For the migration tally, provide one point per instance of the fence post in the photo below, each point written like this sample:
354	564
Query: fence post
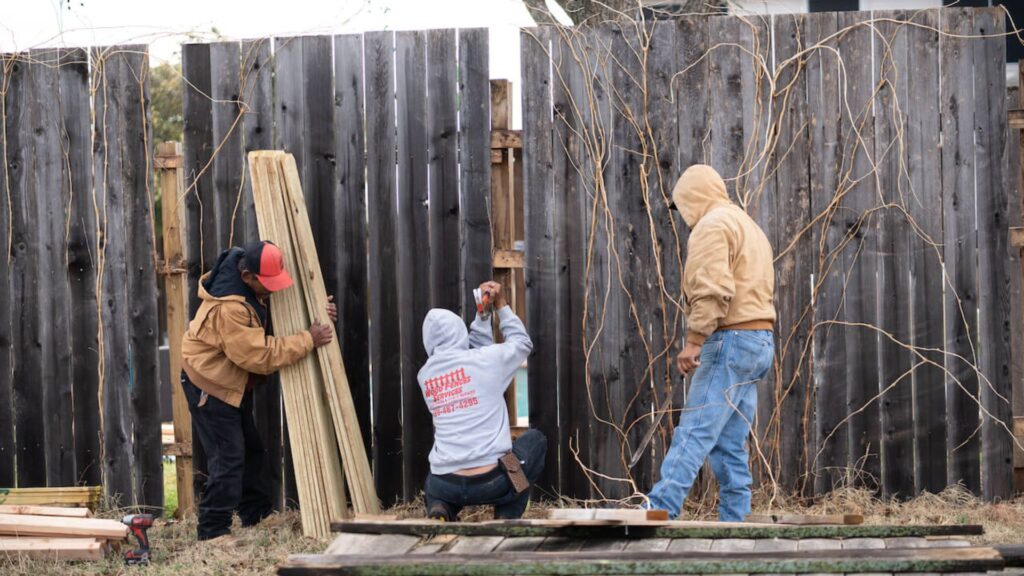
507	260
171	180
1016	120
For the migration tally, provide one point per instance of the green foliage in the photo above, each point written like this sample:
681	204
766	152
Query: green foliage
165	92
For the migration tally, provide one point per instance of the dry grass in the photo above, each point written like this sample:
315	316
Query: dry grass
177	553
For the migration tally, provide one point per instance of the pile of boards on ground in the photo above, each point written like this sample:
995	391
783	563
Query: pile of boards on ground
324	433
56	533
636	544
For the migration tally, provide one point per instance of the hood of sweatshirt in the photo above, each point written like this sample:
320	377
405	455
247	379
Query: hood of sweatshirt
224	281
698	191
444	331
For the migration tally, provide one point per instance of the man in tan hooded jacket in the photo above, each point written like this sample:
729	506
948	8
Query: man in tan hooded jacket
728	285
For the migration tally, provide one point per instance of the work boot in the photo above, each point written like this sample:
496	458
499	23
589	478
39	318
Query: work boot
438	511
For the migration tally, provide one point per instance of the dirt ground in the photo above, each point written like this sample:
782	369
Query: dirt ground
260	548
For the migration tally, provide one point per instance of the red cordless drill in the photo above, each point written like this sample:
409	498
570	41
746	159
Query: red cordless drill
138	524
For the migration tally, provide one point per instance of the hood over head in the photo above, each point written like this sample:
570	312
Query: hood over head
225	280
697	191
443	330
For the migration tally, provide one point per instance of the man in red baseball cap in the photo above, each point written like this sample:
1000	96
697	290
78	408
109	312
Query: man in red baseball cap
225	352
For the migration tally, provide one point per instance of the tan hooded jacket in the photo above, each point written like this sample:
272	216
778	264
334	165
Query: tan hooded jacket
225	344
728	280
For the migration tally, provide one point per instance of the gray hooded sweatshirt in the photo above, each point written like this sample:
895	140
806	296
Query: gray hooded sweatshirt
464	382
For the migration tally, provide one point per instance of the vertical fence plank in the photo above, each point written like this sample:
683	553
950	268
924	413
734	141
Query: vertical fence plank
54	300
228	163
959	247
894	234
24	269
570	104
256	100
9	76
442	127
414	301
539	260
795	254
925	172
993	276
860	252
135	139
474	161
351	221
111	76
76	131
823	99
385	351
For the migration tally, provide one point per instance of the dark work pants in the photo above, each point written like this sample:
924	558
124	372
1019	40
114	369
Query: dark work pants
235	462
452	492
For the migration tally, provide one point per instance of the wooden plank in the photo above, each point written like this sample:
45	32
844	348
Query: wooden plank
959	248
474	161
371	545
503	217
539	269
505	138
618	515
994	308
653	529
775	545
648	545
733	545
923	165
894	236
10	74
350	169
508	259
385	349
830	456
23	241
172	188
113	101
558	544
52	549
442	126
87	496
413	234
228	162
863	543
520	544
45	511
256	93
1015	118
796	255
805	519
907	542
22	525
617	562
819	544
474	544
1015	184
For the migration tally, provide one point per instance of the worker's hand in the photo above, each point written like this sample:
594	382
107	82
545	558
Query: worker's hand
689	359
332	309
321	334
494	289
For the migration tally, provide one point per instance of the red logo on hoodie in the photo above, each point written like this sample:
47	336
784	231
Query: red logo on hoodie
446	393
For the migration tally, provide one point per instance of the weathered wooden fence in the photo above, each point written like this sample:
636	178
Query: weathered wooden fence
78	290
870	147
391	133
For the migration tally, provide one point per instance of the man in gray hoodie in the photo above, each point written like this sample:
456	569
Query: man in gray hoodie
463	383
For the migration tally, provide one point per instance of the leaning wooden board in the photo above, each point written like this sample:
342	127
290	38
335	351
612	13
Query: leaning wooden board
625	562
602	529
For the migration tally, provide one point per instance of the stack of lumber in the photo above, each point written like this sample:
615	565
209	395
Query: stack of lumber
55	533
322	425
641	546
82	496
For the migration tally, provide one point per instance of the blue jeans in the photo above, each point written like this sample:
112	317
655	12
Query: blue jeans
449	493
716	422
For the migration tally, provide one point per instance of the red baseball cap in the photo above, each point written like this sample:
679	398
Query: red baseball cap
265	260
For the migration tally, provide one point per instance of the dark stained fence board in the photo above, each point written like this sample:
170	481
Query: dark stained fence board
135	139
24	270
385	352
894	234
442	127
830	455
8	74
111	77
413	233
795	254
227	138
256	100
925	172
350	172
474	162
76	133
860	252
541	298
993	274
959	247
